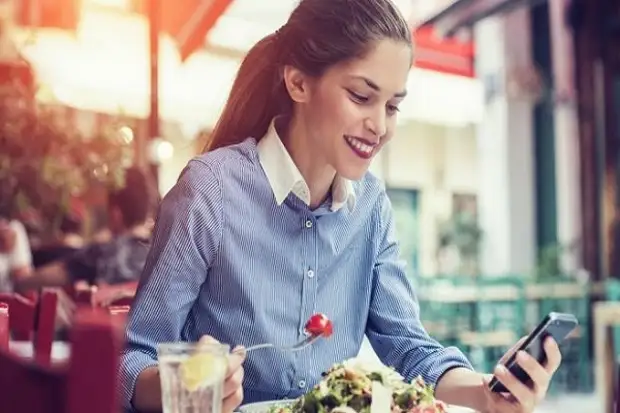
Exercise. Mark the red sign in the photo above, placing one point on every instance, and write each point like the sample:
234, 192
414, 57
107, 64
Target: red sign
443, 54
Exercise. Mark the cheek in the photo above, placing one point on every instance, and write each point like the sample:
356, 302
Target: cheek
387, 137
336, 111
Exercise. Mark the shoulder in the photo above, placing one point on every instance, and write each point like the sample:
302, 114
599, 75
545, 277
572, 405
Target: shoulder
222, 161
18, 227
200, 187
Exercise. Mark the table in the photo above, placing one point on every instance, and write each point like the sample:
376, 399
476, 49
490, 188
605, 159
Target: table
61, 350
606, 315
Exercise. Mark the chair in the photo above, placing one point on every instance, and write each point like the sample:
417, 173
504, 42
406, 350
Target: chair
87, 383
30, 321
4, 326
498, 320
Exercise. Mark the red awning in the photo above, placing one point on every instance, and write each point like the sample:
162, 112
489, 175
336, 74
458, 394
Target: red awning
61, 14
188, 21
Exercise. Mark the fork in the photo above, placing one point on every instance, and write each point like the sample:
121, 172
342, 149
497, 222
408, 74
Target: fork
299, 346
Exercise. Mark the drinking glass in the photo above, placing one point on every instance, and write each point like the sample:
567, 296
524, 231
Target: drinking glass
192, 376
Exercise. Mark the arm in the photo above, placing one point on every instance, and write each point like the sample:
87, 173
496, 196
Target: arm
20, 256
394, 328
463, 387
80, 266
185, 243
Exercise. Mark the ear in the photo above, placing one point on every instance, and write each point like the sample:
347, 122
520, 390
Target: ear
297, 84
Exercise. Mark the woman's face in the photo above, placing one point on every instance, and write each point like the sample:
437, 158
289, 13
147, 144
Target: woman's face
351, 110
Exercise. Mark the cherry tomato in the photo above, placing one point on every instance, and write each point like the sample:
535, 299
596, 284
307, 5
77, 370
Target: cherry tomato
319, 325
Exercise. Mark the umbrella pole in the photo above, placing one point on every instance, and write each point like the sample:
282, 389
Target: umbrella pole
153, 122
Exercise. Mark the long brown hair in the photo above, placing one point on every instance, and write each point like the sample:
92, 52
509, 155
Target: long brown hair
317, 35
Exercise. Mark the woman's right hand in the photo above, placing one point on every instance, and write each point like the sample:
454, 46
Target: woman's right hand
233, 384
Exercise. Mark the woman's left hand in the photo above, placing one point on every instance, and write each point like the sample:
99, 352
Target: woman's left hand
523, 399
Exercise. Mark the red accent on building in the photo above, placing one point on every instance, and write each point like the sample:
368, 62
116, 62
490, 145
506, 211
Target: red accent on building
447, 55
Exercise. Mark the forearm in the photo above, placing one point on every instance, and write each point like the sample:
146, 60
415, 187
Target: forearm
147, 394
52, 275
462, 387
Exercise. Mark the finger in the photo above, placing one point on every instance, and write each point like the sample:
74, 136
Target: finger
535, 370
554, 356
207, 340
523, 394
233, 383
235, 360
233, 401
496, 402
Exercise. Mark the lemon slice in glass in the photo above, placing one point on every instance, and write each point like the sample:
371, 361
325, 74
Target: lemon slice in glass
201, 370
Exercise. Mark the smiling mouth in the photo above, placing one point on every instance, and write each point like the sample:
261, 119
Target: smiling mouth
361, 147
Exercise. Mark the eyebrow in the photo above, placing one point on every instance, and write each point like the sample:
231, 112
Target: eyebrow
376, 87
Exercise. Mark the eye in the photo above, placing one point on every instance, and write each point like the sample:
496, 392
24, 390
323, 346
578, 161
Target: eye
392, 109
356, 97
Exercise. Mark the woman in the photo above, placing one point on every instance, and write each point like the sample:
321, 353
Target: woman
280, 219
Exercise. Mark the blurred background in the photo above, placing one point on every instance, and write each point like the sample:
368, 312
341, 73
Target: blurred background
503, 173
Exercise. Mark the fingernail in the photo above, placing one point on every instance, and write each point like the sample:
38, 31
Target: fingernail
500, 370
522, 356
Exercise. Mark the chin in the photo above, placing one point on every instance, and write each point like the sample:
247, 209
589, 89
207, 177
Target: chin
353, 172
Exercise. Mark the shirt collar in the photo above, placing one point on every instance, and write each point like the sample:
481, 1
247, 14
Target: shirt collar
284, 176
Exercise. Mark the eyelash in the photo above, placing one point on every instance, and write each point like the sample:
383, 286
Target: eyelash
363, 99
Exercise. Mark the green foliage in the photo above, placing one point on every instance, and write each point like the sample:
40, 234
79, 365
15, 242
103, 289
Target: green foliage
549, 265
44, 162
463, 232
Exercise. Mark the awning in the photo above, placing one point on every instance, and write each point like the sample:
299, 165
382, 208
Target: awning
461, 14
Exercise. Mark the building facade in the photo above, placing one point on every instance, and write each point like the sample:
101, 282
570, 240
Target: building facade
529, 187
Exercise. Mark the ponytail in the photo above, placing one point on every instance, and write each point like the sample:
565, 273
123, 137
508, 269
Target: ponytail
258, 95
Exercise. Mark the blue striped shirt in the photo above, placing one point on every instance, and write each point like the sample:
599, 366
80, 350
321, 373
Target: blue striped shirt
230, 261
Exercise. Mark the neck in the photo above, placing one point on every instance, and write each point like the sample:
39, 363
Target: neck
317, 173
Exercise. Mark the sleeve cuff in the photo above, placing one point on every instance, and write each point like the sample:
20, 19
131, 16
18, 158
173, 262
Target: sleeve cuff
449, 358
132, 363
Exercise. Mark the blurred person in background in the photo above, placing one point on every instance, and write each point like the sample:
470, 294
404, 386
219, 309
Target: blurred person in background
71, 239
118, 261
15, 254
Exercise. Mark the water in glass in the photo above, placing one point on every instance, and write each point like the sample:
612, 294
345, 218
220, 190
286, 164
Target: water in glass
192, 377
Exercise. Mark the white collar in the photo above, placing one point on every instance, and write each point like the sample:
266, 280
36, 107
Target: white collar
284, 176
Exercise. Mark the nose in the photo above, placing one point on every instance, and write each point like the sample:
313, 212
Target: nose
377, 123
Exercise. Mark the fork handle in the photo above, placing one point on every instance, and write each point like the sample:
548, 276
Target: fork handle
256, 347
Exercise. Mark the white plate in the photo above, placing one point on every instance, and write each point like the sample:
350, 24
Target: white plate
263, 407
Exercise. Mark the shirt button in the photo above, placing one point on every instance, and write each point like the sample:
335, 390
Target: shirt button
308, 224
310, 274
301, 384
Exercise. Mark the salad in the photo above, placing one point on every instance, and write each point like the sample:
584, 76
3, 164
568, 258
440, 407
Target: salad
348, 388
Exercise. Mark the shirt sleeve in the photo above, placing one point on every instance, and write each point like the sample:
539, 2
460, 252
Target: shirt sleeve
394, 328
21, 256
186, 238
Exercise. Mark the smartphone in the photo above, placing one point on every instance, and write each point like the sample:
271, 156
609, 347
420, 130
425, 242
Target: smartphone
556, 325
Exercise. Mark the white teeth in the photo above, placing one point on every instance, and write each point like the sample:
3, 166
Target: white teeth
360, 146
